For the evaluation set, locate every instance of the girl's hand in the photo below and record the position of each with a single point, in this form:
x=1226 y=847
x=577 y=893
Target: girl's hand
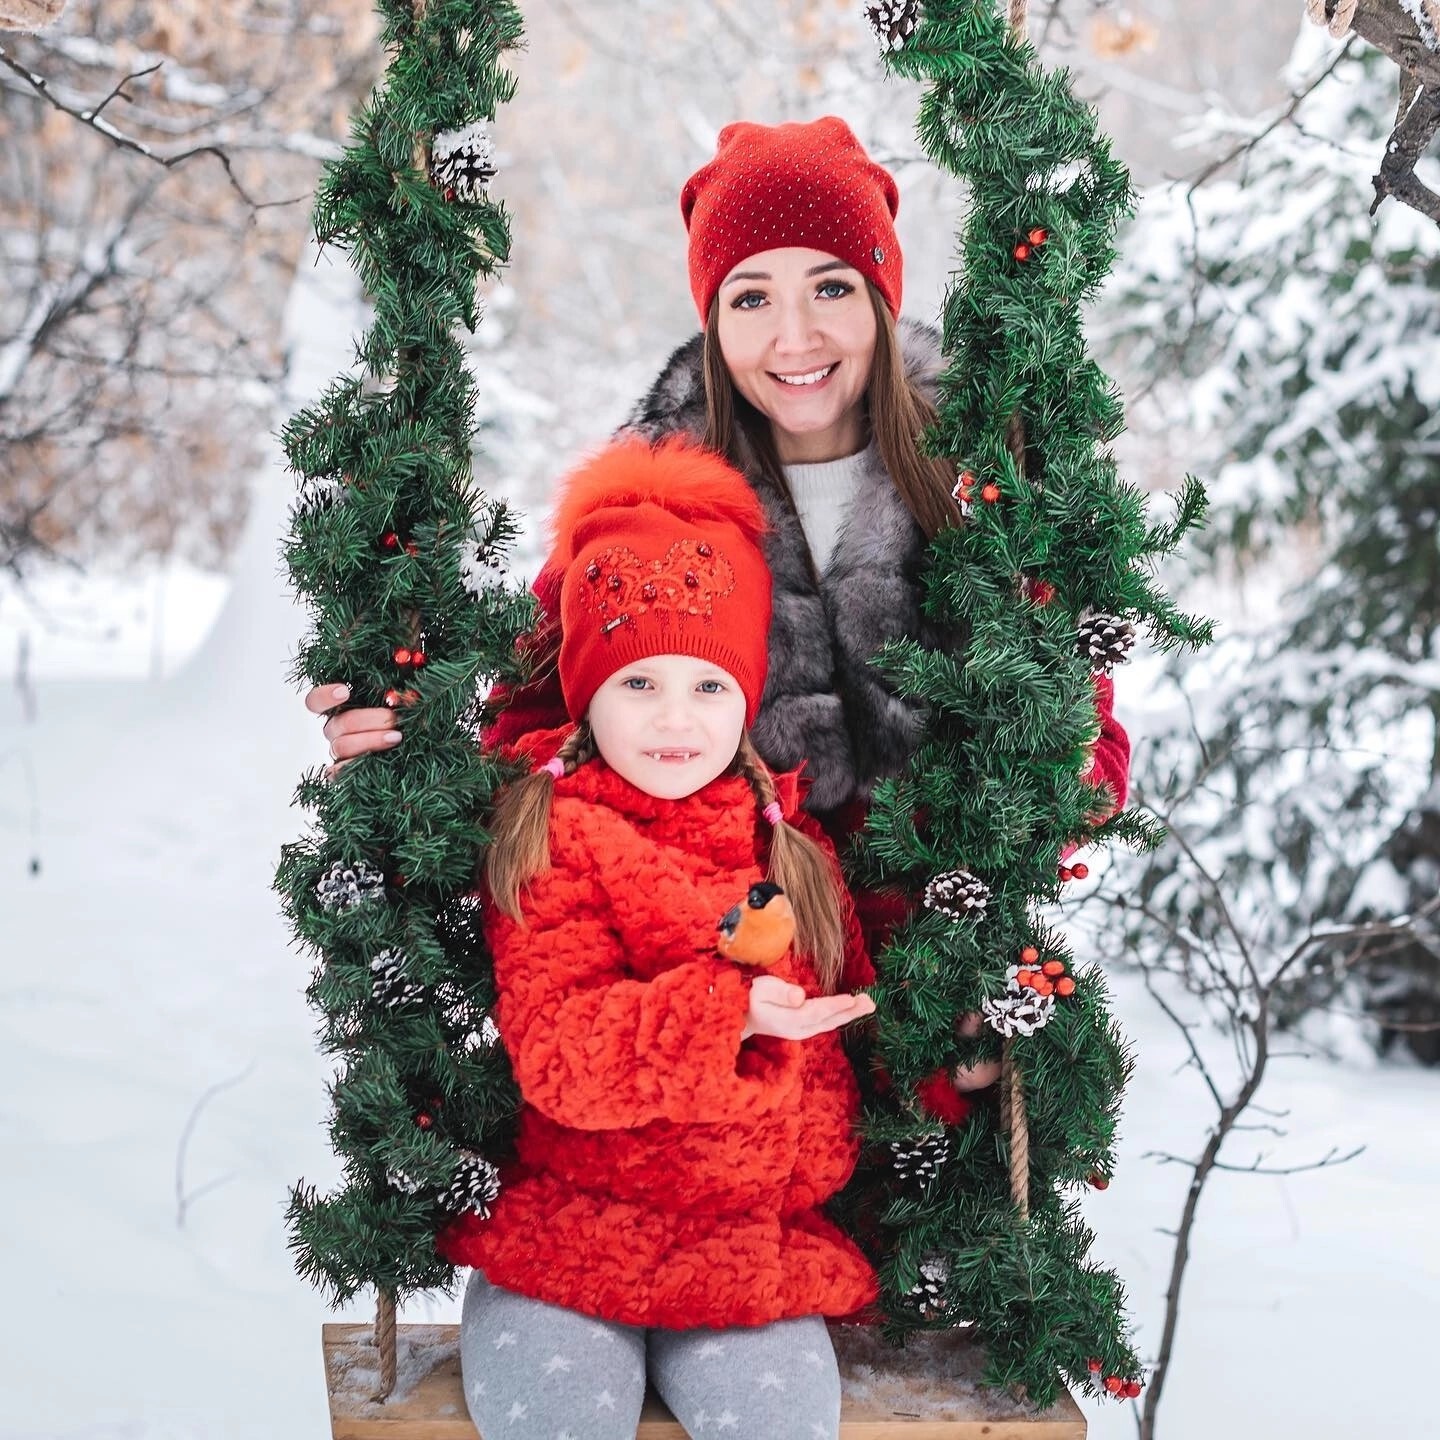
x=781 y=1009
x=974 y=1077
x=351 y=732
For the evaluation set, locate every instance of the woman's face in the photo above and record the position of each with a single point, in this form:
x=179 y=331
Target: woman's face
x=668 y=724
x=797 y=332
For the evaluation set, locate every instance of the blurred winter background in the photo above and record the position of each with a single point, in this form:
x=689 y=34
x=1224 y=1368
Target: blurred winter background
x=1275 y=964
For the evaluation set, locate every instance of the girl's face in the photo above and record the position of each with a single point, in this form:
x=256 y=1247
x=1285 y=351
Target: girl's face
x=797 y=332
x=669 y=724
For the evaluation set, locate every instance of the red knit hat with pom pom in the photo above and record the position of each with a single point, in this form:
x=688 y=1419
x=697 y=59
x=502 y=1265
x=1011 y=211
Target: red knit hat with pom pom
x=661 y=552
x=771 y=186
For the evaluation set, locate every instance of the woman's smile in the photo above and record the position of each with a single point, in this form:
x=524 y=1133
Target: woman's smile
x=807 y=379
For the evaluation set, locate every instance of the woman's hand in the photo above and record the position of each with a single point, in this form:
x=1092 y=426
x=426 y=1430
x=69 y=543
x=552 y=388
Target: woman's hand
x=974 y=1077
x=351 y=732
x=781 y=1009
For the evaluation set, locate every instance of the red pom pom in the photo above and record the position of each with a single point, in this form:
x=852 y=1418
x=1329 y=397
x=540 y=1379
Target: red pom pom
x=411 y=548
x=1022 y=251
x=1038 y=236
x=1065 y=986
x=991 y=493
x=417 y=658
x=940 y=1099
x=1053 y=968
x=402 y=655
x=392 y=698
x=1080 y=871
x=425 y=1122
x=1029 y=955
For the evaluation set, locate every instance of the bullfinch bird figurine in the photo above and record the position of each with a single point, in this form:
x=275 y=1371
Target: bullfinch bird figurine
x=759 y=931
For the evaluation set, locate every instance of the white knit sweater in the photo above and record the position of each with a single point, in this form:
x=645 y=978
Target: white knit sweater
x=823 y=495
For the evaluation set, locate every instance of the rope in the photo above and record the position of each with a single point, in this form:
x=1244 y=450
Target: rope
x=385 y=1342
x=1337 y=23
x=1014 y=1089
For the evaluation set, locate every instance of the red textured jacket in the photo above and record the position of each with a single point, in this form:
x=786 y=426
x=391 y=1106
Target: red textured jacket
x=666 y=1173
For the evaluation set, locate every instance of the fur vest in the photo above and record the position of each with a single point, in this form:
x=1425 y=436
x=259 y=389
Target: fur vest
x=824 y=702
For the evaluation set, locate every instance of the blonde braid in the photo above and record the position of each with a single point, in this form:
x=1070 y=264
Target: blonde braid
x=519 y=847
x=805 y=873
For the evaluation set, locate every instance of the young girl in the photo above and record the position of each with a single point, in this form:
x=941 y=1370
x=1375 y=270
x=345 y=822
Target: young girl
x=683 y=1119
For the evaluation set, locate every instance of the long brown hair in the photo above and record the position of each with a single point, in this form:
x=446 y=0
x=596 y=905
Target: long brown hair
x=899 y=415
x=519 y=850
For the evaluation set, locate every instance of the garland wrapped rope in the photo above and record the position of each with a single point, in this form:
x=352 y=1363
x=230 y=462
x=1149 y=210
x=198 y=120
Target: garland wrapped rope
x=400 y=561
x=997 y=788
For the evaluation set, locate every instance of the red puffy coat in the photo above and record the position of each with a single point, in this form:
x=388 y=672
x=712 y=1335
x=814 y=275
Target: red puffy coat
x=666 y=1173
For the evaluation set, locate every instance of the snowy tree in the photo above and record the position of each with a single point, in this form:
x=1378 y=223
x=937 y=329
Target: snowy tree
x=153 y=161
x=1292 y=339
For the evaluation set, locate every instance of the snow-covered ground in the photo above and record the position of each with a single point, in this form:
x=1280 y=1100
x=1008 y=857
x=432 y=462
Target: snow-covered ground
x=152 y=1013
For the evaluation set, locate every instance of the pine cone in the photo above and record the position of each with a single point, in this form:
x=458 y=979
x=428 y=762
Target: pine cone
x=1105 y=641
x=893 y=21
x=920 y=1160
x=345 y=885
x=474 y=1186
x=1021 y=1014
x=462 y=162
x=929 y=1290
x=958 y=894
x=389 y=984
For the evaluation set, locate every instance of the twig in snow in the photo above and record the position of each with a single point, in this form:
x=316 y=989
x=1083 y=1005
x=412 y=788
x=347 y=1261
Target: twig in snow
x=183 y=1200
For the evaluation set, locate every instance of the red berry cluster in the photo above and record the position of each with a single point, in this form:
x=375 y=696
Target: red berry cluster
x=1031 y=243
x=1074 y=872
x=396 y=698
x=391 y=541
x=1114 y=1385
x=964 y=490
x=1047 y=979
x=424 y=1119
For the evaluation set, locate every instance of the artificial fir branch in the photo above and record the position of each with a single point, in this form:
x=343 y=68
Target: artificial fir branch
x=1051 y=536
x=398 y=557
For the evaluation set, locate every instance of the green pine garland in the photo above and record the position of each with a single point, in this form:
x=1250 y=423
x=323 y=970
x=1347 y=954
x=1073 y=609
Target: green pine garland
x=395 y=551
x=996 y=788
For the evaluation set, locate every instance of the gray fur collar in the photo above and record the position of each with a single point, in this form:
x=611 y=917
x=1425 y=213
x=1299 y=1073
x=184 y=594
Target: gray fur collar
x=824 y=703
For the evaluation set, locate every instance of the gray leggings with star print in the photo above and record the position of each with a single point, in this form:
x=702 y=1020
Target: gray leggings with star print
x=533 y=1371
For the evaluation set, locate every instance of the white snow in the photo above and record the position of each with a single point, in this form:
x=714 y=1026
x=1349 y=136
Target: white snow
x=146 y=963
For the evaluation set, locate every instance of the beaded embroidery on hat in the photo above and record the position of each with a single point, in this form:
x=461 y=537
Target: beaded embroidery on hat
x=682 y=585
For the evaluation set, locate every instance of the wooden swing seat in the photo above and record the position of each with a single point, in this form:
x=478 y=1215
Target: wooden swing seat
x=927 y=1391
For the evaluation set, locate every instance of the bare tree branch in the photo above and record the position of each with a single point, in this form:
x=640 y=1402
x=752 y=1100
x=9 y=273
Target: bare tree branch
x=92 y=117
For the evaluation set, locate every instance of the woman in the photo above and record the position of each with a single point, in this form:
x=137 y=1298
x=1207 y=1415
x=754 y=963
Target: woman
x=809 y=383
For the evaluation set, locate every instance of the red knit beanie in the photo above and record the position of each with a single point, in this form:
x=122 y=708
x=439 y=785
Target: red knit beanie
x=660 y=551
x=771 y=186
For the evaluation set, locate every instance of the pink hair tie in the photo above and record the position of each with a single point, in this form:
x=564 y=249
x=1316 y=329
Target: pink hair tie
x=773 y=813
x=555 y=766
